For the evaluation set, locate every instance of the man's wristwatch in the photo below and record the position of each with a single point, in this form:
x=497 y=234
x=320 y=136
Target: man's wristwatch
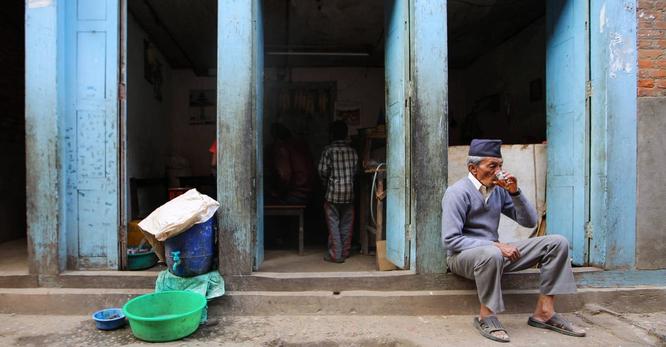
x=516 y=193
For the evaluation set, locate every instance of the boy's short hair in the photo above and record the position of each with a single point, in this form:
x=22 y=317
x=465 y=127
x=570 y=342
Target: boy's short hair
x=338 y=130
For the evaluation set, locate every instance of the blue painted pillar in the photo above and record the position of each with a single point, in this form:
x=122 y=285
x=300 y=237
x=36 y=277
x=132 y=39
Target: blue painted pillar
x=430 y=131
x=42 y=114
x=613 y=61
x=236 y=136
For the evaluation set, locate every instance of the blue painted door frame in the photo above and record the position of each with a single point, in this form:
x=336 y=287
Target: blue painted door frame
x=396 y=70
x=397 y=79
x=43 y=115
x=613 y=147
x=258 y=116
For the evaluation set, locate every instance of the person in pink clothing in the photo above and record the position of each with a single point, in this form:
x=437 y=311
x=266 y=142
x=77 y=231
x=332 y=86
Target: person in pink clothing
x=213 y=157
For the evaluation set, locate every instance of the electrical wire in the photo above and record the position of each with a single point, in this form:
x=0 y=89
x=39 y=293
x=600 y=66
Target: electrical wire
x=372 y=192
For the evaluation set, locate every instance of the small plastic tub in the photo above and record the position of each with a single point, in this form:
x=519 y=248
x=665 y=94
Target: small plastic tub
x=109 y=318
x=140 y=259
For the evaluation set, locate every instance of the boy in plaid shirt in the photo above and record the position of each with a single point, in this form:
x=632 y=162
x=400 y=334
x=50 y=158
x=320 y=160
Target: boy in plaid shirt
x=337 y=168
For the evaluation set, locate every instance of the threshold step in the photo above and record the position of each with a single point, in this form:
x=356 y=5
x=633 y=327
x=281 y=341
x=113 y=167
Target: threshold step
x=377 y=280
x=278 y=281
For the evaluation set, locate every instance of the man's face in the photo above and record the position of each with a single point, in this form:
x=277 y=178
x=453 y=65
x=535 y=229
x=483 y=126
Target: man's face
x=486 y=170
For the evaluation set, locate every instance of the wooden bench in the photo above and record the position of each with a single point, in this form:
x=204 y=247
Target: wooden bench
x=289 y=210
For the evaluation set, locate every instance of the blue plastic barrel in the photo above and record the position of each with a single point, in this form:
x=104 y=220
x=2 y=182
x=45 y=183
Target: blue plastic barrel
x=191 y=253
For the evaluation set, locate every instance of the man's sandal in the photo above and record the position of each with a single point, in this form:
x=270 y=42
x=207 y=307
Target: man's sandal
x=488 y=326
x=559 y=324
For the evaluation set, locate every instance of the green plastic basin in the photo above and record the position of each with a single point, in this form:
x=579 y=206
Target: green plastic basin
x=140 y=261
x=165 y=316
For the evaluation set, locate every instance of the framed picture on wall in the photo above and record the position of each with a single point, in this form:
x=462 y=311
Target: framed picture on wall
x=152 y=68
x=349 y=112
x=202 y=106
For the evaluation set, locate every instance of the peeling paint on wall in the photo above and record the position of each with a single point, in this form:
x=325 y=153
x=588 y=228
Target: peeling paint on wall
x=39 y=3
x=602 y=18
x=620 y=55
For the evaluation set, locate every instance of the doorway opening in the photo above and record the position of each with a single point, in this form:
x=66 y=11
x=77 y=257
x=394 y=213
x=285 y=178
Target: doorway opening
x=528 y=84
x=13 y=240
x=323 y=62
x=497 y=81
x=497 y=71
x=171 y=64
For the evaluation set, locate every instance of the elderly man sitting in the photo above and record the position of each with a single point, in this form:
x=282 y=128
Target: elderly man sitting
x=470 y=217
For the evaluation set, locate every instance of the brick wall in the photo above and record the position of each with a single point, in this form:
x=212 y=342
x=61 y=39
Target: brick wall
x=651 y=47
x=650 y=221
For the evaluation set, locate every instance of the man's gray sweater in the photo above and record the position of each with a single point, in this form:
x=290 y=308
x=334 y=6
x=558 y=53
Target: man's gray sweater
x=469 y=222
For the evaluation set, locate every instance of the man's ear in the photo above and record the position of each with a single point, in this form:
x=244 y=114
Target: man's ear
x=472 y=168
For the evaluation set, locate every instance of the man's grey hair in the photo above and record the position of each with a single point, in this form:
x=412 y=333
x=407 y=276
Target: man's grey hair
x=474 y=160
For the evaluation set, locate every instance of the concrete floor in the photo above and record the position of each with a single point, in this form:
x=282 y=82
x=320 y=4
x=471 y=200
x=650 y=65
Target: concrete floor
x=603 y=329
x=313 y=261
x=14 y=259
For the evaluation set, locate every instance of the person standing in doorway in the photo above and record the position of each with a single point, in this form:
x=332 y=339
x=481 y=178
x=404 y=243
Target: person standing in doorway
x=337 y=168
x=471 y=211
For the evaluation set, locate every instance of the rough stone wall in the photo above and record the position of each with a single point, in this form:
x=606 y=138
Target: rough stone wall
x=651 y=47
x=651 y=222
x=12 y=122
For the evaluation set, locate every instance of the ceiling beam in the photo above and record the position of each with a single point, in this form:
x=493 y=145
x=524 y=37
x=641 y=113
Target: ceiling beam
x=199 y=70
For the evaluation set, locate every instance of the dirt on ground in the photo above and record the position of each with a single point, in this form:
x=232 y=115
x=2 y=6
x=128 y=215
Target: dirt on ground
x=604 y=328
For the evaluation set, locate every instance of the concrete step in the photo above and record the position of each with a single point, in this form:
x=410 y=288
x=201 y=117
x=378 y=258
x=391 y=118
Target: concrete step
x=446 y=302
x=18 y=279
x=273 y=281
x=371 y=293
x=81 y=279
x=63 y=301
x=75 y=301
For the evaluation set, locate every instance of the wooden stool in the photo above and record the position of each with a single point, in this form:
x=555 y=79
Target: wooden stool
x=289 y=210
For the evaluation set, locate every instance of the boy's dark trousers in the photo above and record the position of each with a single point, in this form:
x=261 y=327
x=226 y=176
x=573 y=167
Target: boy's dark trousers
x=340 y=223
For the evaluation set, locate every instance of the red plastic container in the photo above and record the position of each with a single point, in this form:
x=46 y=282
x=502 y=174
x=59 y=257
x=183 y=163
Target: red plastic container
x=174 y=192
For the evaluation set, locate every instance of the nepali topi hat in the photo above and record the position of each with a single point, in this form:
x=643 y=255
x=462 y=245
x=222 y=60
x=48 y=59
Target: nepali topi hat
x=485 y=148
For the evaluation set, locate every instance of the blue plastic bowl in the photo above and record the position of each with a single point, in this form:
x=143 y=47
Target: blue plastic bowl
x=109 y=318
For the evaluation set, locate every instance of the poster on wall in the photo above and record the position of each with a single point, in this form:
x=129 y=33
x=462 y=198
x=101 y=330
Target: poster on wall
x=202 y=107
x=349 y=112
x=152 y=68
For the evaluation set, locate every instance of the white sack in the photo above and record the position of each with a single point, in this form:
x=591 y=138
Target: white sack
x=179 y=214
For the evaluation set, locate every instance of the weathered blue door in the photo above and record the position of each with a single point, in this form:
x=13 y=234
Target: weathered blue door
x=396 y=65
x=91 y=133
x=567 y=122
